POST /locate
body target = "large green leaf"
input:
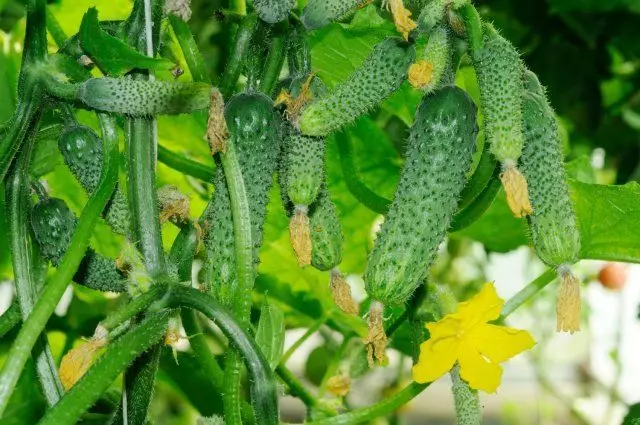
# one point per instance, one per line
(112, 55)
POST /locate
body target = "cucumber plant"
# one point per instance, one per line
(258, 97)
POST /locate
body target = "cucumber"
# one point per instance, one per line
(254, 129)
(553, 222)
(81, 149)
(432, 61)
(439, 154)
(53, 224)
(499, 70)
(184, 249)
(381, 74)
(273, 11)
(143, 98)
(319, 13)
(435, 12)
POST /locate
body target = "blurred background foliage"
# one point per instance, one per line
(587, 52)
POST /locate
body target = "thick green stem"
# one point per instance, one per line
(298, 390)
(24, 263)
(198, 343)
(264, 395)
(192, 55)
(99, 377)
(245, 275)
(135, 306)
(238, 52)
(9, 319)
(56, 285)
(526, 293)
(473, 26)
(469, 215)
(56, 31)
(185, 165)
(466, 400)
(274, 63)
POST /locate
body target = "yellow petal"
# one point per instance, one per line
(437, 357)
(500, 343)
(479, 372)
(448, 326)
(483, 307)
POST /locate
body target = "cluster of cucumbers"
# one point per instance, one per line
(289, 141)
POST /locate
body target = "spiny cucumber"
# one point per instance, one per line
(143, 97)
(432, 60)
(319, 13)
(439, 154)
(273, 11)
(81, 149)
(381, 74)
(435, 12)
(500, 69)
(53, 225)
(254, 129)
(553, 222)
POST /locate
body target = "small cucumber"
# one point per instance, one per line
(499, 69)
(273, 11)
(553, 223)
(435, 12)
(326, 234)
(432, 61)
(143, 97)
(81, 149)
(439, 154)
(53, 224)
(254, 128)
(319, 13)
(381, 74)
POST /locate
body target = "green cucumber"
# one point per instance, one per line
(319, 13)
(381, 74)
(435, 12)
(144, 98)
(433, 59)
(326, 234)
(184, 249)
(499, 69)
(81, 149)
(273, 11)
(553, 223)
(53, 224)
(254, 129)
(439, 154)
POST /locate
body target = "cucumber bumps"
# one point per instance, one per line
(273, 11)
(500, 71)
(380, 75)
(433, 59)
(319, 13)
(553, 223)
(53, 225)
(439, 154)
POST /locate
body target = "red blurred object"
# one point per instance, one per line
(613, 276)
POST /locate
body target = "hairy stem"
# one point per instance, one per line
(274, 62)
(526, 293)
(9, 319)
(238, 52)
(192, 55)
(473, 26)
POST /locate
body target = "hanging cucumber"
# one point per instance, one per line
(435, 12)
(81, 149)
(499, 71)
(319, 13)
(433, 58)
(381, 74)
(254, 128)
(273, 11)
(143, 97)
(439, 154)
(326, 254)
(53, 225)
(553, 223)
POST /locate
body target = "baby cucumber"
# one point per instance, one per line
(553, 223)
(381, 74)
(254, 130)
(53, 224)
(319, 13)
(326, 234)
(432, 61)
(435, 12)
(273, 11)
(81, 149)
(144, 97)
(439, 154)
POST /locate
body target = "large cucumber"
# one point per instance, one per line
(439, 154)
(254, 129)
(380, 75)
(553, 223)
(319, 13)
(273, 11)
(53, 225)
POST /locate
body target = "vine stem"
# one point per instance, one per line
(473, 26)
(185, 165)
(244, 273)
(189, 48)
(9, 319)
(236, 56)
(526, 293)
(310, 331)
(56, 285)
(239, 6)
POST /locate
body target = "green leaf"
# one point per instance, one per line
(270, 333)
(633, 415)
(112, 55)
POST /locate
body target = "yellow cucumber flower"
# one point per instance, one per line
(478, 347)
